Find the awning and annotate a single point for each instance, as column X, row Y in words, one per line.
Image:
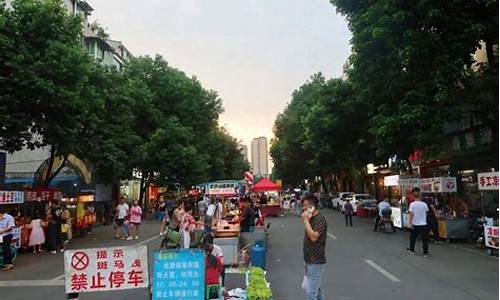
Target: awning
column 265, row 185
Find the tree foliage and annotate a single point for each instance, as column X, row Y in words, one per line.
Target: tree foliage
column 148, row 118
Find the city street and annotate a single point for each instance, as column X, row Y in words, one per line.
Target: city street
column 361, row 265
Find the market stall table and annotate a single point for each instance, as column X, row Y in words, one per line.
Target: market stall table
column 453, row 228
column 271, row 210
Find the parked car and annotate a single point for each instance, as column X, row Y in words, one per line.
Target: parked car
column 362, row 200
column 325, row 201
column 341, row 196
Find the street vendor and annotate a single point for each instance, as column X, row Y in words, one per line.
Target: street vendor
column 247, row 217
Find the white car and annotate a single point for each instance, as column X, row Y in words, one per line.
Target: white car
column 358, row 200
column 336, row 202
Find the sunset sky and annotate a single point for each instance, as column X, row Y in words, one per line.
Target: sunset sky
column 254, row 53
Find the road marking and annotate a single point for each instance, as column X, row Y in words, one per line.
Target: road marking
column 20, row 283
column 383, row 271
column 331, row 236
column 60, row 277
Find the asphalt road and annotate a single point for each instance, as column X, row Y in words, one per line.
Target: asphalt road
column 371, row 265
column 361, row 265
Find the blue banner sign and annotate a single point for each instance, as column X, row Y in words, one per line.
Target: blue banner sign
column 179, row 274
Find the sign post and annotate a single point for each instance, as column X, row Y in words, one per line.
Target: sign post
column 106, row 269
column 179, row 274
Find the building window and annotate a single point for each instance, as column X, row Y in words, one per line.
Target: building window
column 486, row 135
column 456, row 143
column 469, row 140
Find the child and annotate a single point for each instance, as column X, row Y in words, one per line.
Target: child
column 188, row 225
column 37, row 236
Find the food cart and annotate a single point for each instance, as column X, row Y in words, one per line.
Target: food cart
column 405, row 185
column 272, row 208
column 450, row 226
column 14, row 198
column 488, row 182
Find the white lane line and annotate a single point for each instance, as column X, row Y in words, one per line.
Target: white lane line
column 383, row 271
column 148, row 240
column 21, row 283
column 331, row 236
column 60, row 277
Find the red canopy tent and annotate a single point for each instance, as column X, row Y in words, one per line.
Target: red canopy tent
column 265, row 185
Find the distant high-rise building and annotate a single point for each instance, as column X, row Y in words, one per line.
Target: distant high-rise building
column 244, row 151
column 260, row 157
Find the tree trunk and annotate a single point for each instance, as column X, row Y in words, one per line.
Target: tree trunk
column 141, row 189
column 490, row 54
column 46, row 182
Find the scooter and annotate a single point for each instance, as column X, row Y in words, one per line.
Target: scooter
column 13, row 250
column 386, row 221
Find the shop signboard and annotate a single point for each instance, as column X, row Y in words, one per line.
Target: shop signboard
column 438, row 185
column 396, row 217
column 11, row 197
column 179, row 274
column 491, row 236
column 488, row 181
column 391, row 180
column 106, row 269
column 43, row 194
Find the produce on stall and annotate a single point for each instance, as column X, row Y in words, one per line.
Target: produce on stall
column 257, row 286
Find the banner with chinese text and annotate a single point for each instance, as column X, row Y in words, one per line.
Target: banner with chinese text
column 491, row 236
column 179, row 274
column 106, row 269
column 488, row 181
column 11, row 197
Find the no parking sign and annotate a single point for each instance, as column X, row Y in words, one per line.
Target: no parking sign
column 106, row 269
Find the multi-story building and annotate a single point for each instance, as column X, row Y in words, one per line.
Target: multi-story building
column 260, row 157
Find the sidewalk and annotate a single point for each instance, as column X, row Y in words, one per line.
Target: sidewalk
column 47, row 266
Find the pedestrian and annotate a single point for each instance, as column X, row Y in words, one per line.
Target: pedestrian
column 177, row 216
column 68, row 221
column 213, row 271
column 382, row 206
column 215, row 250
column 135, row 220
column 90, row 213
column 247, row 216
column 188, row 225
column 418, row 223
column 348, row 212
column 314, row 245
column 432, row 219
column 54, row 232
column 122, row 211
column 298, row 206
column 7, row 223
column 37, row 236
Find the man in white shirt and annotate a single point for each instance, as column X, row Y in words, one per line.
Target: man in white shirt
column 383, row 205
column 6, row 225
column 121, row 214
column 418, row 223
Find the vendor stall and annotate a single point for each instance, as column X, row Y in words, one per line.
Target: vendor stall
column 488, row 183
column 452, row 221
column 272, row 207
column 82, row 212
column 400, row 198
column 14, row 198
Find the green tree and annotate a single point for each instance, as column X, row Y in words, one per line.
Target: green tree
column 409, row 59
column 44, row 73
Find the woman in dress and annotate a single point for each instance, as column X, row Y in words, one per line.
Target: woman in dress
column 37, row 236
column 135, row 219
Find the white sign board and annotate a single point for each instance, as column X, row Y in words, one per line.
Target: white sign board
column 491, row 236
column 438, row 185
column 11, row 197
column 106, row 269
column 230, row 191
column 391, row 180
column 488, row 181
column 396, row 217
